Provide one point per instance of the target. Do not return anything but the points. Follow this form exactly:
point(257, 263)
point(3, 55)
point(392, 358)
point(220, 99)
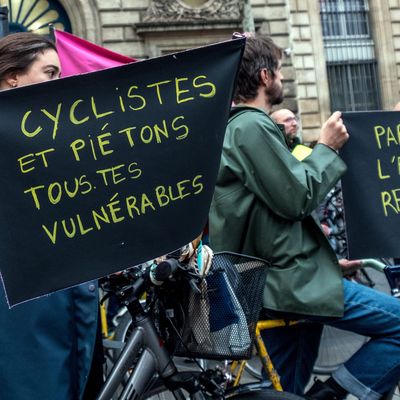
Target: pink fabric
point(78, 56)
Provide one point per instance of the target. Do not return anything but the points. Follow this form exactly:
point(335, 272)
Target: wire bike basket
point(218, 321)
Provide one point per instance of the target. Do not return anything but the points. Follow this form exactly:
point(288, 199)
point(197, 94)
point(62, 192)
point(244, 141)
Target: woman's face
point(46, 67)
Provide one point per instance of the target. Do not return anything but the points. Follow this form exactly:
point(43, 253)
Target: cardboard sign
point(371, 186)
point(106, 170)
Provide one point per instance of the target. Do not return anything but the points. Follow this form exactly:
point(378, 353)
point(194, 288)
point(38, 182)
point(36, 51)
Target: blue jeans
point(370, 372)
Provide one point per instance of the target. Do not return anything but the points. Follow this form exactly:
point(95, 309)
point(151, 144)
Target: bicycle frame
point(153, 360)
point(144, 366)
point(238, 366)
point(392, 274)
point(142, 335)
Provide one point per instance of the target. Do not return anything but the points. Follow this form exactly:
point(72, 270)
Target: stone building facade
point(149, 28)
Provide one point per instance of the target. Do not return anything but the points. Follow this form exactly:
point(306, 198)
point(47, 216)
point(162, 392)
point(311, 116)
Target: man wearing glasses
point(289, 120)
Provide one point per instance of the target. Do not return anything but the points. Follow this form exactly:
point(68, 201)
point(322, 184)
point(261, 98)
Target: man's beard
point(274, 94)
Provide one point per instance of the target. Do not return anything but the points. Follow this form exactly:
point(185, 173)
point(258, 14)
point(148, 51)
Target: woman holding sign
point(47, 344)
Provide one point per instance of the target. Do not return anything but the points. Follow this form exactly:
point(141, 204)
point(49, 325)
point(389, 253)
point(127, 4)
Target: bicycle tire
point(259, 391)
point(254, 391)
point(158, 391)
point(265, 394)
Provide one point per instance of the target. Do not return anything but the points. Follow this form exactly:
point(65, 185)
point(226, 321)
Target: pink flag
point(78, 56)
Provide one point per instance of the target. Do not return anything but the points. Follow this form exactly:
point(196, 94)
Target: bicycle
point(330, 358)
point(344, 344)
point(253, 367)
point(145, 366)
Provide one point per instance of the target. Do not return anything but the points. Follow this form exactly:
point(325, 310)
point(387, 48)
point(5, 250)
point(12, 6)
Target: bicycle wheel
point(122, 331)
point(253, 367)
point(256, 391)
point(159, 393)
point(259, 391)
point(266, 394)
point(335, 348)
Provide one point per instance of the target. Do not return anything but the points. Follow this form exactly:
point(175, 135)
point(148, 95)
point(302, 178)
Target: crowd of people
point(263, 206)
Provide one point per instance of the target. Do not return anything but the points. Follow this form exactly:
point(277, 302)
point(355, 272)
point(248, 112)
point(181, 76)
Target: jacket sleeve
point(256, 153)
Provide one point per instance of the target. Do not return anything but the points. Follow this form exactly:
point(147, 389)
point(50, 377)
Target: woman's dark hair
point(259, 52)
point(19, 50)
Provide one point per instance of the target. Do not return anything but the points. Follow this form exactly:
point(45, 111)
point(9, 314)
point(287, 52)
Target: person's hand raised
point(333, 132)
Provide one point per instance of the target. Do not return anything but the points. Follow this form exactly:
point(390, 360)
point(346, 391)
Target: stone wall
point(394, 25)
point(118, 19)
point(273, 17)
point(126, 27)
point(385, 22)
point(308, 60)
point(294, 25)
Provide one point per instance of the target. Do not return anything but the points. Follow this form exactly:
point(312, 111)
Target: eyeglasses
point(290, 120)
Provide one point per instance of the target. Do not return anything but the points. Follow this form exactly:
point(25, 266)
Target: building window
point(344, 18)
point(350, 55)
point(353, 86)
point(36, 15)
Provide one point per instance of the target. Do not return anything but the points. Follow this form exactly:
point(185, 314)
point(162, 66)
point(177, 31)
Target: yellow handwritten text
point(391, 201)
point(386, 137)
point(101, 145)
point(98, 146)
point(392, 163)
point(122, 210)
point(157, 132)
point(380, 174)
point(113, 175)
point(55, 191)
point(47, 119)
point(31, 158)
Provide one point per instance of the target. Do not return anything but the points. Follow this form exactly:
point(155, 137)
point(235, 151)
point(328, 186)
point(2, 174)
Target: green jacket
point(262, 206)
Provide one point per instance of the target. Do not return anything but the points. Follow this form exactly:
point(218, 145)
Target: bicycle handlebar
point(373, 263)
point(134, 282)
point(392, 273)
point(137, 280)
point(160, 273)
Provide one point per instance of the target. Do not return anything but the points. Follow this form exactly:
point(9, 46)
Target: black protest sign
point(106, 170)
point(371, 186)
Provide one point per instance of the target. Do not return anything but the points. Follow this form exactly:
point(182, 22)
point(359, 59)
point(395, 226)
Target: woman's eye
point(51, 73)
